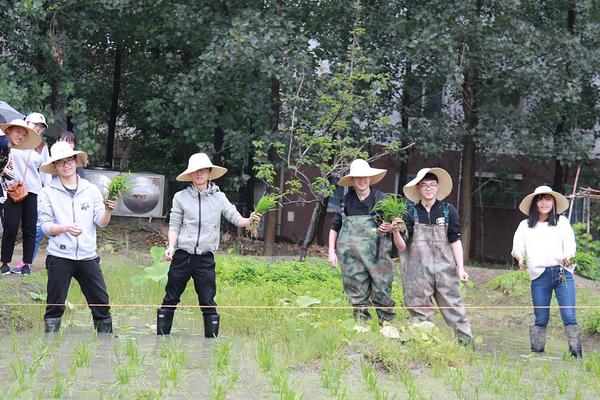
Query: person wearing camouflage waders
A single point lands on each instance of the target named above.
(363, 246)
(434, 262)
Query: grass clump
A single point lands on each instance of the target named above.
(118, 185)
(392, 206)
(511, 283)
(269, 202)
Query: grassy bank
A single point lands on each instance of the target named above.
(286, 353)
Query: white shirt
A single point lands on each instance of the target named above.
(545, 245)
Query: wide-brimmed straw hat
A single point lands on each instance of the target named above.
(31, 140)
(561, 201)
(59, 151)
(200, 161)
(359, 168)
(411, 191)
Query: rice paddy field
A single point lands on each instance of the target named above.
(285, 334)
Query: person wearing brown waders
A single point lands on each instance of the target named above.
(544, 244)
(434, 262)
(194, 230)
(363, 246)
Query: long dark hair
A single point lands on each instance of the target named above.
(534, 214)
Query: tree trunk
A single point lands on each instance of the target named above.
(218, 136)
(466, 199)
(310, 232)
(114, 105)
(271, 220)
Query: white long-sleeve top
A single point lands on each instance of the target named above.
(545, 245)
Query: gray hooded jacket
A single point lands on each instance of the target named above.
(196, 217)
(57, 207)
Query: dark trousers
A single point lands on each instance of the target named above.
(199, 267)
(90, 278)
(24, 212)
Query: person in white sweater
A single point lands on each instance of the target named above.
(544, 245)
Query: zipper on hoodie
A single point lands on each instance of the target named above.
(76, 237)
(199, 222)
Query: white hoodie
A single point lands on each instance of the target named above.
(56, 206)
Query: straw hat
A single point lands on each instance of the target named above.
(61, 150)
(36, 118)
(561, 201)
(359, 168)
(411, 191)
(200, 161)
(31, 140)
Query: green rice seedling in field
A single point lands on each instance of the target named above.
(455, 378)
(591, 364)
(266, 360)
(561, 380)
(392, 206)
(268, 202)
(82, 355)
(368, 373)
(222, 354)
(129, 363)
(62, 382)
(280, 378)
(413, 390)
(331, 375)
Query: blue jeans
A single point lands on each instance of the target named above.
(541, 294)
(39, 235)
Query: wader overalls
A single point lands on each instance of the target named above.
(367, 269)
(430, 270)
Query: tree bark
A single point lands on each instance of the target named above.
(310, 232)
(114, 105)
(271, 218)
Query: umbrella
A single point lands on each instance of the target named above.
(9, 113)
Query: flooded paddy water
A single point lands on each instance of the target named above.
(279, 353)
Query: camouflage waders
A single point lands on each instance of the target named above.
(430, 270)
(367, 269)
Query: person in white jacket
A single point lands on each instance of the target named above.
(544, 245)
(194, 230)
(69, 210)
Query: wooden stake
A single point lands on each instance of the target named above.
(574, 190)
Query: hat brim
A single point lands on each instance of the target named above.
(411, 191)
(49, 168)
(215, 173)
(376, 175)
(31, 141)
(560, 201)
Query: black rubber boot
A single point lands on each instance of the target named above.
(51, 325)
(103, 325)
(211, 325)
(574, 340)
(537, 338)
(164, 321)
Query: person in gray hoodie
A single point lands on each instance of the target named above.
(194, 230)
(69, 209)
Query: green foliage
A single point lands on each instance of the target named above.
(158, 271)
(511, 283)
(392, 206)
(118, 185)
(588, 253)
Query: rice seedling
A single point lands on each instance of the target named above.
(561, 380)
(222, 354)
(117, 186)
(62, 383)
(413, 390)
(392, 206)
(133, 364)
(266, 360)
(368, 373)
(268, 202)
(82, 355)
(331, 375)
(455, 378)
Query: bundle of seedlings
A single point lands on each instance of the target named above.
(392, 206)
(269, 202)
(117, 186)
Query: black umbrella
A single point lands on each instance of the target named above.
(9, 113)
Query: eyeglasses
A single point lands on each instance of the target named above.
(64, 161)
(431, 186)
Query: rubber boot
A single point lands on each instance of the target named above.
(164, 321)
(574, 340)
(51, 325)
(211, 325)
(103, 325)
(537, 338)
